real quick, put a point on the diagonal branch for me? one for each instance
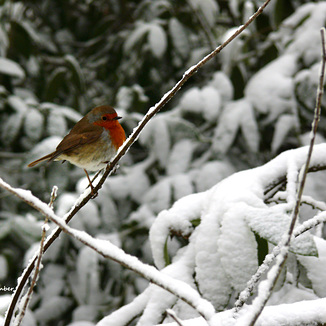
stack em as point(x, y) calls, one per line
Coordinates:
point(105, 248)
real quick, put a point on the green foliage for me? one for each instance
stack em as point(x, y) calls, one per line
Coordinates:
point(61, 58)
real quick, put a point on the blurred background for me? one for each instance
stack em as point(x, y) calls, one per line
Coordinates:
point(59, 59)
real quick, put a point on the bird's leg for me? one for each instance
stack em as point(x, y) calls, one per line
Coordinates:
point(90, 184)
point(96, 175)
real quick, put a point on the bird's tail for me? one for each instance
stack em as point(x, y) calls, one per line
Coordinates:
point(48, 157)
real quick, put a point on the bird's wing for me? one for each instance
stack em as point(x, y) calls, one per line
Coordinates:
point(73, 141)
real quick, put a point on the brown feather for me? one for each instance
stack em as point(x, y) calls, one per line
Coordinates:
point(42, 159)
point(74, 140)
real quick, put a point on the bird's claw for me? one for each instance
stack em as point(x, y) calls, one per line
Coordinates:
point(94, 194)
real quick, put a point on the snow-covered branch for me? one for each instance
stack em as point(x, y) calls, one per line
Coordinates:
point(267, 286)
point(311, 312)
point(108, 250)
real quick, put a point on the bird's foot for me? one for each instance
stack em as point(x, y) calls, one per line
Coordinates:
point(94, 194)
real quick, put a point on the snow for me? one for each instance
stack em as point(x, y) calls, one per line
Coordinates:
point(284, 125)
point(232, 52)
point(4, 303)
point(143, 215)
point(208, 8)
point(162, 143)
point(223, 84)
point(211, 173)
point(189, 70)
point(271, 89)
point(53, 278)
point(206, 101)
point(191, 100)
point(181, 269)
point(58, 125)
point(179, 217)
point(249, 127)
point(157, 40)
point(88, 276)
point(3, 267)
point(158, 197)
point(180, 157)
point(179, 37)
point(316, 267)
point(135, 36)
point(65, 111)
point(182, 186)
point(138, 183)
point(299, 313)
point(226, 211)
point(271, 223)
point(81, 323)
point(290, 293)
point(235, 115)
point(157, 136)
point(307, 33)
point(108, 250)
point(11, 68)
point(264, 290)
point(235, 257)
point(53, 308)
point(33, 125)
point(212, 102)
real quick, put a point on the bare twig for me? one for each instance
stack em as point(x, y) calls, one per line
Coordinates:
point(305, 200)
point(28, 296)
point(173, 315)
point(276, 185)
point(204, 24)
point(262, 298)
point(123, 149)
point(54, 195)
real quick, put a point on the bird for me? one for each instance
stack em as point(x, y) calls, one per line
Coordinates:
point(91, 143)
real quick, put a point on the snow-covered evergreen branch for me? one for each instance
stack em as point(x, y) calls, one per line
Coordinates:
point(267, 286)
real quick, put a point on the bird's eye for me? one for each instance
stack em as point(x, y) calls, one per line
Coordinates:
point(104, 118)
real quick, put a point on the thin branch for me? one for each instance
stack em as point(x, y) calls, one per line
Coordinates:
point(309, 224)
point(105, 248)
point(204, 24)
point(305, 200)
point(28, 296)
point(173, 315)
point(260, 302)
point(276, 185)
point(123, 149)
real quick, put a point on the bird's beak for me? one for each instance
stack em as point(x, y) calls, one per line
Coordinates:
point(117, 118)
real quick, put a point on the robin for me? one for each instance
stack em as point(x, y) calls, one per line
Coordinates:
point(91, 143)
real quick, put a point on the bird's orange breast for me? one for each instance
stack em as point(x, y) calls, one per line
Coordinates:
point(118, 135)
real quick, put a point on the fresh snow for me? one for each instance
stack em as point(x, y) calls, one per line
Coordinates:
point(225, 213)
